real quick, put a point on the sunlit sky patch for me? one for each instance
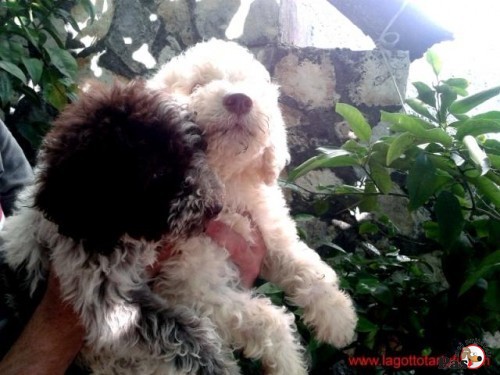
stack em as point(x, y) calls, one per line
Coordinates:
point(474, 54)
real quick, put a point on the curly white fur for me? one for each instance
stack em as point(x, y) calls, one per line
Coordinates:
point(247, 149)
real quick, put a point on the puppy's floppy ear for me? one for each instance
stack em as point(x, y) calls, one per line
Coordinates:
point(77, 195)
point(97, 165)
point(276, 156)
point(82, 189)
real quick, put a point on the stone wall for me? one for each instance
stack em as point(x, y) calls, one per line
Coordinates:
point(133, 37)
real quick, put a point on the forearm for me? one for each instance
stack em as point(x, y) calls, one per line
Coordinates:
point(49, 342)
point(246, 255)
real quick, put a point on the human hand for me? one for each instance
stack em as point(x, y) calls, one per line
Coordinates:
point(51, 339)
point(248, 256)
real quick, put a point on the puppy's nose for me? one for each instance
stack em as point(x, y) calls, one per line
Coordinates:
point(237, 103)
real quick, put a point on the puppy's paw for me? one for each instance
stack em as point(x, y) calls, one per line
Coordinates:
point(270, 169)
point(332, 317)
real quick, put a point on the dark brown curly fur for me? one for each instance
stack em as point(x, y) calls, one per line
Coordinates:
point(114, 163)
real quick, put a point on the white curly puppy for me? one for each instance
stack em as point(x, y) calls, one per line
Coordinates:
point(236, 106)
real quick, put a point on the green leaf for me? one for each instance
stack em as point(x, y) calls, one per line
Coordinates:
point(321, 207)
point(367, 285)
point(13, 70)
point(55, 95)
point(356, 120)
point(491, 300)
point(34, 68)
point(449, 217)
point(426, 351)
point(63, 61)
point(382, 145)
point(494, 237)
point(364, 325)
point(487, 188)
point(422, 130)
point(32, 95)
point(457, 85)
point(447, 96)
point(35, 37)
point(444, 163)
point(380, 176)
point(54, 32)
point(89, 8)
point(383, 294)
point(434, 148)
point(493, 176)
point(489, 263)
point(303, 217)
point(273, 292)
point(343, 190)
point(421, 181)
point(5, 89)
point(471, 102)
point(461, 83)
point(402, 122)
point(335, 158)
point(492, 146)
point(369, 202)
point(269, 288)
point(419, 108)
point(33, 132)
point(477, 155)
point(458, 190)
point(379, 156)
point(425, 94)
point(352, 146)
point(494, 161)
point(482, 228)
point(431, 229)
point(399, 146)
point(66, 16)
point(475, 126)
point(368, 228)
point(437, 135)
point(490, 115)
point(434, 61)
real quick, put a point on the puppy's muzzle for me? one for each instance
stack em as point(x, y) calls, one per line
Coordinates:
point(239, 104)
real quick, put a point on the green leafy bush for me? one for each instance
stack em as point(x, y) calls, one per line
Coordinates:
point(37, 72)
point(438, 160)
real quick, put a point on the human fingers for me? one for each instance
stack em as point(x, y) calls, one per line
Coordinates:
point(246, 255)
point(226, 237)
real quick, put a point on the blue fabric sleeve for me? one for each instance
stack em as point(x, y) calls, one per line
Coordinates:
point(15, 171)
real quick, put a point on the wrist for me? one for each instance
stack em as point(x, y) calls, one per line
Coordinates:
point(49, 342)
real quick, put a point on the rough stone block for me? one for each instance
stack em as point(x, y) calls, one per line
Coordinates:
point(313, 80)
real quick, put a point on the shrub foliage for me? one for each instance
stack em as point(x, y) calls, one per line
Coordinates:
point(444, 162)
point(37, 69)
